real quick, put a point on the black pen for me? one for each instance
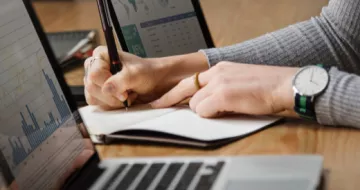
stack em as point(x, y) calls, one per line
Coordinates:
point(115, 64)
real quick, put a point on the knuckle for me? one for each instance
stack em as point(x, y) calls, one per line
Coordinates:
point(221, 66)
point(87, 62)
point(90, 87)
point(221, 79)
point(92, 76)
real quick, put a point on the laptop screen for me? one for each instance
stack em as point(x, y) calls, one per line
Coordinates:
point(159, 28)
point(40, 140)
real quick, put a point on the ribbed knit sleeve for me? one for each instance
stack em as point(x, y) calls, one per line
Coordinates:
point(333, 39)
point(340, 104)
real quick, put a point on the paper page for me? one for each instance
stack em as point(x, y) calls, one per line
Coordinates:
point(178, 121)
point(99, 121)
point(186, 123)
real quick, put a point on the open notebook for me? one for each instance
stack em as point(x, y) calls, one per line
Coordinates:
point(170, 126)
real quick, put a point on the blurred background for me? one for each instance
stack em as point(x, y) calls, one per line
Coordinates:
point(229, 21)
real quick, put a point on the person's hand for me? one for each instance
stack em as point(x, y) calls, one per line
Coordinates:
point(240, 88)
point(140, 80)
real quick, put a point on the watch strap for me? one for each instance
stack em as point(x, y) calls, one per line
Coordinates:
point(327, 68)
point(304, 106)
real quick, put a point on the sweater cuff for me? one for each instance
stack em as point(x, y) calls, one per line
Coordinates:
point(213, 56)
point(337, 105)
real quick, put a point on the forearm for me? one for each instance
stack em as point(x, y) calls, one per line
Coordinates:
point(340, 103)
point(332, 39)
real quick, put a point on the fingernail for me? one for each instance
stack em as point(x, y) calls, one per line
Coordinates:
point(154, 103)
point(121, 97)
point(109, 88)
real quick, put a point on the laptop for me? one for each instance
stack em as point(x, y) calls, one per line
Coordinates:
point(44, 144)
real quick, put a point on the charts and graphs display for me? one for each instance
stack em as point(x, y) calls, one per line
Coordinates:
point(38, 134)
point(155, 28)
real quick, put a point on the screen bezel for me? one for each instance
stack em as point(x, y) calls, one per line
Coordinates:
point(199, 14)
point(60, 78)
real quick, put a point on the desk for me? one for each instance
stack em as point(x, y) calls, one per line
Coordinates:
point(247, 18)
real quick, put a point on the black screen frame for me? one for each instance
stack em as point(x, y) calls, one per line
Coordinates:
point(63, 85)
point(199, 14)
point(203, 24)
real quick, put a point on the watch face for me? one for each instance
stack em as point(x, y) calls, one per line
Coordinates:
point(311, 80)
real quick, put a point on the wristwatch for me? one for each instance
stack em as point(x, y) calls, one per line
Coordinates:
point(308, 83)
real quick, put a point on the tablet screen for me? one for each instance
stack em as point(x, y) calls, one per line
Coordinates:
point(156, 28)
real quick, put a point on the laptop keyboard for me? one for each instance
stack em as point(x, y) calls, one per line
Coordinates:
point(130, 176)
point(169, 176)
point(163, 176)
point(149, 176)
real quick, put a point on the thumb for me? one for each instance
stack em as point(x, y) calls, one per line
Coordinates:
point(117, 86)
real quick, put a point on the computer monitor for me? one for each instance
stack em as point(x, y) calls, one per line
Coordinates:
point(40, 141)
point(159, 28)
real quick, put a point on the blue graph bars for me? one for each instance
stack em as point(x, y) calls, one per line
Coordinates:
point(33, 132)
point(59, 102)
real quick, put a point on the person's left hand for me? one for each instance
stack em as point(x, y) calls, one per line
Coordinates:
point(240, 88)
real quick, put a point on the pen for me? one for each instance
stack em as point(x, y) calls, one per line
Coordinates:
point(81, 44)
point(115, 64)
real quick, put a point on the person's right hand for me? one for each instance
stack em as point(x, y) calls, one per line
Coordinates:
point(141, 80)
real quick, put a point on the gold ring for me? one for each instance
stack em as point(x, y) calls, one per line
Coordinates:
point(196, 81)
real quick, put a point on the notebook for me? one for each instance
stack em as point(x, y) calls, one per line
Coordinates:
point(168, 126)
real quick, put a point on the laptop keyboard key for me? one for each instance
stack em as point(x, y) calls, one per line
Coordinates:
point(150, 175)
point(169, 175)
point(117, 172)
point(207, 181)
point(188, 175)
point(130, 176)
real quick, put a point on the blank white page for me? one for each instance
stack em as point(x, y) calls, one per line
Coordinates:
point(180, 121)
point(99, 121)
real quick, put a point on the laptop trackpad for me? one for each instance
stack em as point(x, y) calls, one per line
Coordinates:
point(268, 184)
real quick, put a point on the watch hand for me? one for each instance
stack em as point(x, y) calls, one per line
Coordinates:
point(315, 83)
point(312, 75)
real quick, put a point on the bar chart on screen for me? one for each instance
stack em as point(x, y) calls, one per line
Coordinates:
point(34, 133)
point(38, 131)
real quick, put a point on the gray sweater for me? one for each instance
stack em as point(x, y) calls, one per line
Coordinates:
point(333, 39)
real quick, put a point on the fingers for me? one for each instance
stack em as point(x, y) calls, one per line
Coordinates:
point(181, 91)
point(102, 53)
point(184, 89)
point(109, 100)
point(209, 107)
point(91, 100)
point(200, 96)
point(99, 72)
point(117, 86)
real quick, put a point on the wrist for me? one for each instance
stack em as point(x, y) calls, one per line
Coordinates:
point(284, 94)
point(182, 66)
